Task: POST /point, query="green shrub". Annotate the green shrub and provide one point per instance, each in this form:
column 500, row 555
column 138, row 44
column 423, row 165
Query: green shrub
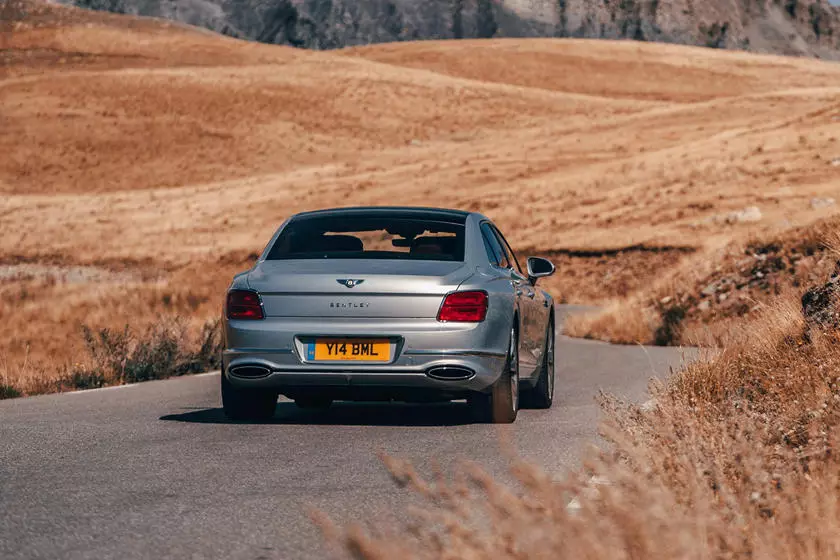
column 8, row 392
column 669, row 331
column 80, row 378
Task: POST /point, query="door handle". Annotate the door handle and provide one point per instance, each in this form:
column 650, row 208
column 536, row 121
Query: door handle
column 518, row 292
column 532, row 294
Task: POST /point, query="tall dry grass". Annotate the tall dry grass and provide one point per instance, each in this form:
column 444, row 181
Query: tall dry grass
column 168, row 348
column 620, row 322
column 737, row 458
column 46, row 313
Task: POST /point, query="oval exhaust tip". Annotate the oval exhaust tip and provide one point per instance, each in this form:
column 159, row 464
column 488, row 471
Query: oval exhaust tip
column 450, row 373
column 250, row 371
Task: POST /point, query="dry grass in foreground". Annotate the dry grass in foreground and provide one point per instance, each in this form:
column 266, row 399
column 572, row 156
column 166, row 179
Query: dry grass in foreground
column 737, row 459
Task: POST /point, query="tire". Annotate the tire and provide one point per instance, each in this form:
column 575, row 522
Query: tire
column 247, row 404
column 501, row 404
column 313, row 403
column 542, row 395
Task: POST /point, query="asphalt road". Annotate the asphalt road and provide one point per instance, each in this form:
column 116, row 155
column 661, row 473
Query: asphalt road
column 154, row 470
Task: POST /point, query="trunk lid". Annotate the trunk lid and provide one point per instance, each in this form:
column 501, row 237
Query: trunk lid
column 380, row 288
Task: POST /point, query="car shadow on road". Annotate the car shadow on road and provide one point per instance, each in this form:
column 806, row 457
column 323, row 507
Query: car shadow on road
column 348, row 414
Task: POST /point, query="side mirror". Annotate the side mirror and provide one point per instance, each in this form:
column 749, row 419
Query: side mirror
column 539, row 268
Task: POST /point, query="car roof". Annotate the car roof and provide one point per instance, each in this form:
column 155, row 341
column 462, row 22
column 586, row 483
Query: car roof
column 405, row 212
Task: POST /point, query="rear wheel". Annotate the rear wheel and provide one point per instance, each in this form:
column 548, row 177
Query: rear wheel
column 542, row 395
column 313, row 403
column 247, row 404
column 501, row 404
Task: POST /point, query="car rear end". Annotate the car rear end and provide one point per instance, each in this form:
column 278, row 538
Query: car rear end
column 365, row 304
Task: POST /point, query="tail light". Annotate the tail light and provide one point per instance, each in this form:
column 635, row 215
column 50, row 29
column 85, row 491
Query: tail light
column 464, row 307
column 244, row 306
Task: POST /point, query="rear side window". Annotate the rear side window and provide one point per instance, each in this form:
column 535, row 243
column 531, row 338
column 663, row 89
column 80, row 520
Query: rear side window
column 494, row 249
column 511, row 256
column 369, row 237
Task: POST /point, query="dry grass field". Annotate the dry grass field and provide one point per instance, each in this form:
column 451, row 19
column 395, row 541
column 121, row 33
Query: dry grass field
column 144, row 163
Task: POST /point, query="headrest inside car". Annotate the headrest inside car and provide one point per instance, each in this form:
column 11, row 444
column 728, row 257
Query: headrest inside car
column 339, row 243
column 434, row 245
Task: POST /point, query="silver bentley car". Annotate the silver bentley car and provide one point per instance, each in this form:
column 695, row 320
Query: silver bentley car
column 403, row 304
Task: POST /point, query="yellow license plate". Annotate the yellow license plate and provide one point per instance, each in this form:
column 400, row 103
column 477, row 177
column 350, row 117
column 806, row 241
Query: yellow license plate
column 341, row 350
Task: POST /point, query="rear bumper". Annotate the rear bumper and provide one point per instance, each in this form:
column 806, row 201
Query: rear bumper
column 485, row 369
column 421, row 346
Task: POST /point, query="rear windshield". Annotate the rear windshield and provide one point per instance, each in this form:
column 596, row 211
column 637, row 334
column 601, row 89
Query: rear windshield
column 369, row 238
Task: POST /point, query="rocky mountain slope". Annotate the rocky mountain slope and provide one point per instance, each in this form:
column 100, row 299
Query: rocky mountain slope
column 793, row 27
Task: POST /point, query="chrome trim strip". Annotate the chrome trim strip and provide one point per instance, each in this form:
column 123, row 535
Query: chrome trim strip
column 480, row 353
column 311, row 372
column 352, row 294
